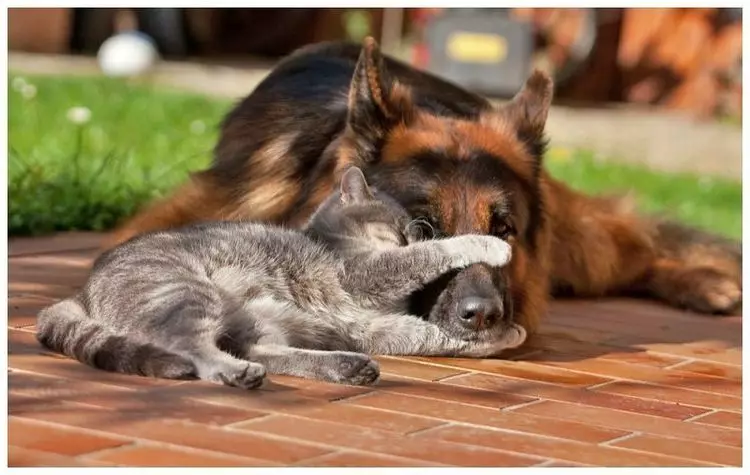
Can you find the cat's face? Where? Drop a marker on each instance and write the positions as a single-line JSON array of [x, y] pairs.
[[361, 218]]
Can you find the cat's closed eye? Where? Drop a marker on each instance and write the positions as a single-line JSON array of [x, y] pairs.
[[385, 236]]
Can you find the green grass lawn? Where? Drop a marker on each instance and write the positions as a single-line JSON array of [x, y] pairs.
[[138, 144], [141, 141], [707, 202]]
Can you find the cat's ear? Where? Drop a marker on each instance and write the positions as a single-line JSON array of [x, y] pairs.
[[377, 102], [528, 111], [354, 187]]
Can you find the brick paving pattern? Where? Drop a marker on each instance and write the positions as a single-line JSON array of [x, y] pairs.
[[606, 383]]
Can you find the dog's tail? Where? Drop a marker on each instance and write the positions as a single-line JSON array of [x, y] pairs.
[[66, 328]]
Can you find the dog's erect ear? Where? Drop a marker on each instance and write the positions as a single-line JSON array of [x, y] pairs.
[[376, 101], [354, 187], [529, 108]]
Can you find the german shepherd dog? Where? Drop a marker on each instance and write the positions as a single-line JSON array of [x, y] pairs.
[[459, 164]]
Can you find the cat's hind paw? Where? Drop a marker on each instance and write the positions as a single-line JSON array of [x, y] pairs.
[[356, 369], [246, 375]]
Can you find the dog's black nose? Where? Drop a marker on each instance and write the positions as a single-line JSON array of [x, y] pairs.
[[477, 313]]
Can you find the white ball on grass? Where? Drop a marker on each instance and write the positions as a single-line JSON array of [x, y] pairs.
[[127, 54]]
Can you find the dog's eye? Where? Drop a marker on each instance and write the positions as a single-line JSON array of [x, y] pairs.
[[502, 228], [504, 232]]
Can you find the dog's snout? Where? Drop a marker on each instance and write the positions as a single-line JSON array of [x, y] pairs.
[[478, 312]]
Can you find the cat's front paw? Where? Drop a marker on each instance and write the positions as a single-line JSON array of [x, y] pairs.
[[510, 337], [356, 369], [478, 249]]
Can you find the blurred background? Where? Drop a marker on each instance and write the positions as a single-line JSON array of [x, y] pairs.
[[128, 101], [687, 59]]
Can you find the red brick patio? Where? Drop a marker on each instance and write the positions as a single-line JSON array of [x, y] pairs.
[[608, 383]]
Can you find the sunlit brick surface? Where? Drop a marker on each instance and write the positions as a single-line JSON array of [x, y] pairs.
[[606, 383]]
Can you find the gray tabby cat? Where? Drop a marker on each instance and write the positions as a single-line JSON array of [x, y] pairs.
[[228, 301]]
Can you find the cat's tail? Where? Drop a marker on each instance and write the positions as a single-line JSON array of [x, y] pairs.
[[66, 328]]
